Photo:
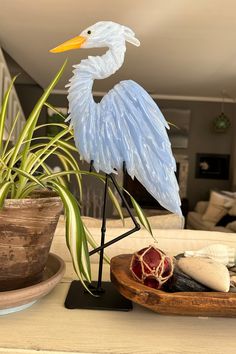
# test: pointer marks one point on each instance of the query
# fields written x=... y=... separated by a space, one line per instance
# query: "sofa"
x=161 y=221
x=171 y=241
x=217 y=214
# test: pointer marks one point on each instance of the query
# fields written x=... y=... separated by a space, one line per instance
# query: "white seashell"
x=218 y=252
x=207 y=272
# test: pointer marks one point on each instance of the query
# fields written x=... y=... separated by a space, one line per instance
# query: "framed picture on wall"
x=53 y=117
x=212 y=166
x=179 y=120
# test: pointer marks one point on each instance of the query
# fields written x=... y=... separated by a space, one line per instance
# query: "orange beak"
x=73 y=43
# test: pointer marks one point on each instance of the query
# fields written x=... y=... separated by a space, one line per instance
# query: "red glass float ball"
x=151 y=266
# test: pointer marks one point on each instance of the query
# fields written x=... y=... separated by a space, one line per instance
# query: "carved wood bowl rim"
x=213 y=303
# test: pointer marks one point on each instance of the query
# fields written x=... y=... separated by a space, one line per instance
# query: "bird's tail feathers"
x=161 y=183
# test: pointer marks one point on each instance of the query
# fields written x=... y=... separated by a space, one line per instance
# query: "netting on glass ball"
x=151 y=267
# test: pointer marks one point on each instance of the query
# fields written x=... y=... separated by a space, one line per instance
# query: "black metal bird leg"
x=103 y=229
x=106 y=295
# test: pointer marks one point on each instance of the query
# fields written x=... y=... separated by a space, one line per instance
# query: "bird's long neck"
x=93 y=68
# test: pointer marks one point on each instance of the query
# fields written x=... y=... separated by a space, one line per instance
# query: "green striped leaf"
x=10 y=133
x=61 y=125
x=93 y=243
x=140 y=214
x=54 y=110
x=68 y=146
x=4 y=190
x=75 y=234
x=45 y=151
x=116 y=204
x=28 y=130
x=3 y=112
x=28 y=176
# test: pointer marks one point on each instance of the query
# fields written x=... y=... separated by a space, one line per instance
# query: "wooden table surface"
x=47 y=327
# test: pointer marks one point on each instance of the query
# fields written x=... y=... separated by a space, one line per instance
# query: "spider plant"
x=19 y=178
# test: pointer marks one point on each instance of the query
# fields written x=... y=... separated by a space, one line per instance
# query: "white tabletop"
x=47 y=327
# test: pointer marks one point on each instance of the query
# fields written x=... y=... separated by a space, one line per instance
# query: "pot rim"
x=44 y=195
x=9 y=201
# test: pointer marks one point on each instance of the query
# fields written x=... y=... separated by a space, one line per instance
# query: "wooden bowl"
x=16 y=300
x=180 y=303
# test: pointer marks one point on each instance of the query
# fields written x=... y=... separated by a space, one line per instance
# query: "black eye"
x=89 y=32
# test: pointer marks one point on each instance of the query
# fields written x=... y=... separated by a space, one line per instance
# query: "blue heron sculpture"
x=126 y=126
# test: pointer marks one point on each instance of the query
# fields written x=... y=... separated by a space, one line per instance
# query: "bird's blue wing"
x=132 y=129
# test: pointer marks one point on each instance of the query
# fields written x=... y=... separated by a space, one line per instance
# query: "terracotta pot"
x=27 y=227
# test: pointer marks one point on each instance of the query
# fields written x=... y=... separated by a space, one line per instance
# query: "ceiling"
x=188 y=47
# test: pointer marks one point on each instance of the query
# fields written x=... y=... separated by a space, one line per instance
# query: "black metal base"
x=107 y=299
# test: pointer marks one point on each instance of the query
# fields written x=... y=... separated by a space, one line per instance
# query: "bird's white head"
x=101 y=34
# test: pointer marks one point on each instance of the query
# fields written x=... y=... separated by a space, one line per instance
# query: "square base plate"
x=108 y=299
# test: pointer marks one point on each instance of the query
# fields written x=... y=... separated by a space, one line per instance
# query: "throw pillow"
x=226 y=220
x=232 y=226
x=232 y=210
x=229 y=194
x=216 y=208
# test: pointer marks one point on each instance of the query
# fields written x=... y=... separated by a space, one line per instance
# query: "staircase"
x=14 y=105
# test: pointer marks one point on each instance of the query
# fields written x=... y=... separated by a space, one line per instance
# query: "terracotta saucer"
x=16 y=300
